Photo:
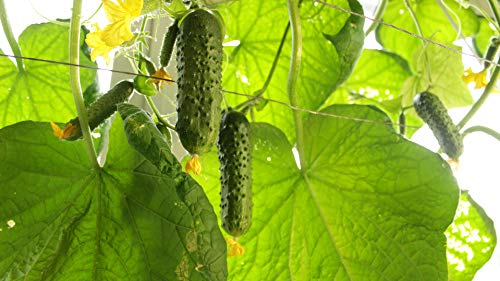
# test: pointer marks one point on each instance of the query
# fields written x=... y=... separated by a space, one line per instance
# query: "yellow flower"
x=478 y=78
x=235 y=248
x=120 y=13
x=99 y=47
x=193 y=165
x=69 y=131
x=158 y=77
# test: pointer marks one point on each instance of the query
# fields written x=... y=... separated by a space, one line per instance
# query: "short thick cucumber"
x=234 y=146
x=199 y=66
x=101 y=109
x=434 y=113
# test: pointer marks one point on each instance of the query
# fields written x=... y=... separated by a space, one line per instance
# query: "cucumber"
x=99 y=110
x=434 y=113
x=199 y=67
x=168 y=43
x=234 y=146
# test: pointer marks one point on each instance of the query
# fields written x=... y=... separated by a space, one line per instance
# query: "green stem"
x=378 y=16
x=293 y=75
x=74 y=75
x=489 y=88
x=10 y=36
x=496 y=9
x=414 y=17
x=275 y=63
x=419 y=31
x=253 y=100
x=158 y=114
x=483 y=129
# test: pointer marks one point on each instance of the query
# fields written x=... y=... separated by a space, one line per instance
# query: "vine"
x=74 y=58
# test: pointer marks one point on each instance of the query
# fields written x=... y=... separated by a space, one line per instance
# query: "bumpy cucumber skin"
x=199 y=67
x=168 y=43
x=105 y=106
x=234 y=146
x=434 y=113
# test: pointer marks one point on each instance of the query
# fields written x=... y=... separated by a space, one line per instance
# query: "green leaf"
x=259 y=26
x=371 y=206
x=482 y=39
x=145 y=138
x=349 y=42
x=433 y=21
x=471 y=240
x=379 y=75
x=442 y=76
x=43 y=91
x=126 y=221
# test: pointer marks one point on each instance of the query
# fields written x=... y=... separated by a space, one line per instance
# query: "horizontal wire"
x=85 y=66
x=318 y=112
x=224 y=90
x=333 y=6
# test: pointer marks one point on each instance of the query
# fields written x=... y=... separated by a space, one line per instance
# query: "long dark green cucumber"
x=434 y=113
x=234 y=146
x=168 y=43
x=199 y=67
x=103 y=107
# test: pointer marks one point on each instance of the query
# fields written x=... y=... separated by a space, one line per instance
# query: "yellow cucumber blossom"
x=99 y=47
x=158 y=77
x=235 y=248
x=69 y=130
x=193 y=165
x=120 y=13
x=478 y=78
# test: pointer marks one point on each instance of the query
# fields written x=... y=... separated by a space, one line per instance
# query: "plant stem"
x=157 y=113
x=293 y=75
x=253 y=100
x=10 y=36
x=475 y=107
x=74 y=75
x=483 y=129
x=378 y=16
x=495 y=9
x=419 y=31
x=275 y=63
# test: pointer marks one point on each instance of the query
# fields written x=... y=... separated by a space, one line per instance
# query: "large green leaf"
x=259 y=27
x=377 y=78
x=126 y=221
x=379 y=75
x=434 y=22
x=370 y=205
x=471 y=240
x=42 y=92
x=441 y=74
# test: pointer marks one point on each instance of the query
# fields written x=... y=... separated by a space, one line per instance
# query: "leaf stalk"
x=10 y=37
x=293 y=75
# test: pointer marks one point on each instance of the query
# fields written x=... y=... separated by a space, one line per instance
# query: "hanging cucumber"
x=97 y=112
x=434 y=113
x=168 y=43
x=234 y=146
x=199 y=67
